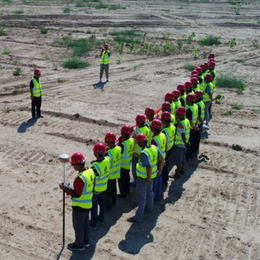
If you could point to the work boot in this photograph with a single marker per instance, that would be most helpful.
(107, 80)
(75, 247)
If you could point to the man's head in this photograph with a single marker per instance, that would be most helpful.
(188, 86)
(181, 88)
(180, 113)
(141, 140)
(126, 131)
(77, 160)
(149, 112)
(166, 106)
(190, 98)
(194, 82)
(99, 150)
(37, 73)
(208, 78)
(211, 65)
(110, 139)
(168, 97)
(140, 120)
(106, 46)
(176, 94)
(166, 118)
(156, 126)
(198, 95)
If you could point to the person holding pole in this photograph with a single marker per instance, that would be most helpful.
(81, 200)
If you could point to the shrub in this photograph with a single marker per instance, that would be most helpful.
(189, 67)
(230, 81)
(75, 63)
(2, 31)
(126, 36)
(80, 4)
(60, 80)
(18, 11)
(116, 7)
(228, 113)
(236, 106)
(43, 30)
(6, 52)
(17, 71)
(66, 10)
(7, 110)
(209, 40)
(101, 6)
(239, 60)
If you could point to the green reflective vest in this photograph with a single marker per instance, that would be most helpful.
(201, 85)
(104, 58)
(150, 137)
(215, 78)
(126, 158)
(115, 157)
(202, 109)
(175, 105)
(183, 97)
(37, 89)
(143, 130)
(152, 154)
(186, 125)
(206, 97)
(160, 141)
(103, 169)
(85, 199)
(195, 113)
(169, 133)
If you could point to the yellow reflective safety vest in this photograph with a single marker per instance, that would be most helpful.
(103, 169)
(143, 130)
(183, 97)
(175, 105)
(37, 89)
(150, 137)
(201, 85)
(115, 157)
(169, 133)
(202, 109)
(160, 141)
(195, 113)
(104, 58)
(206, 97)
(85, 199)
(215, 79)
(152, 153)
(186, 125)
(126, 157)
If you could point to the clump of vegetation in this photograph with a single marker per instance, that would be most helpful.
(66, 10)
(6, 52)
(101, 6)
(236, 106)
(17, 62)
(189, 38)
(219, 98)
(61, 80)
(18, 11)
(7, 110)
(230, 81)
(189, 67)
(228, 113)
(43, 30)
(127, 36)
(239, 60)
(2, 31)
(75, 63)
(17, 71)
(80, 4)
(255, 43)
(195, 53)
(210, 40)
(116, 7)
(232, 42)
(118, 60)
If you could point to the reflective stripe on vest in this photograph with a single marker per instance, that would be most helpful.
(126, 158)
(206, 97)
(169, 133)
(201, 85)
(85, 199)
(144, 130)
(160, 140)
(186, 126)
(195, 113)
(152, 154)
(104, 58)
(103, 169)
(37, 89)
(202, 109)
(115, 157)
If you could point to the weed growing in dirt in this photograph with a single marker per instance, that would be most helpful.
(254, 42)
(218, 98)
(255, 111)
(7, 110)
(189, 38)
(116, 7)
(236, 106)
(195, 53)
(80, 4)
(66, 10)
(17, 71)
(101, 6)
(17, 62)
(165, 10)
(2, 31)
(7, 1)
(239, 60)
(6, 52)
(210, 40)
(18, 11)
(230, 81)
(118, 60)
(1, 67)
(75, 63)
(189, 67)
(127, 36)
(61, 80)
(43, 30)
(228, 113)
(179, 44)
(232, 42)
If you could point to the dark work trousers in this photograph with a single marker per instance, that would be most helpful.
(124, 182)
(36, 102)
(192, 143)
(111, 194)
(80, 221)
(104, 67)
(157, 188)
(98, 199)
(197, 142)
(165, 171)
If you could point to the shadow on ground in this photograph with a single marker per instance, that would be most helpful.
(25, 125)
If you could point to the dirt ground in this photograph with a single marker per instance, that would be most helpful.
(212, 212)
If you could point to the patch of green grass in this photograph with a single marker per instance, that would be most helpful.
(126, 36)
(7, 110)
(255, 111)
(66, 10)
(258, 21)
(230, 81)
(165, 10)
(101, 6)
(43, 30)
(2, 31)
(75, 63)
(210, 40)
(6, 52)
(116, 7)
(61, 80)
(18, 11)
(7, 1)
(80, 4)
(17, 62)
(17, 71)
(236, 106)
(189, 67)
(239, 60)
(228, 113)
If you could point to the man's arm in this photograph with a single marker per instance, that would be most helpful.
(149, 173)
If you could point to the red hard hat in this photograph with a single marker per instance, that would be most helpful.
(149, 111)
(194, 79)
(126, 129)
(166, 115)
(203, 67)
(180, 111)
(106, 46)
(188, 84)
(176, 93)
(110, 137)
(37, 71)
(211, 55)
(140, 138)
(209, 77)
(199, 69)
(169, 96)
(156, 124)
(194, 72)
(77, 158)
(205, 64)
(181, 87)
(140, 118)
(166, 105)
(212, 64)
(99, 148)
(198, 93)
(211, 59)
(190, 97)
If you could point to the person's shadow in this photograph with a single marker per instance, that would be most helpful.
(100, 85)
(25, 125)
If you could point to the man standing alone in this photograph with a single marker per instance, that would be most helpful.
(104, 61)
(36, 93)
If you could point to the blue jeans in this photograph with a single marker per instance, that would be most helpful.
(207, 111)
(157, 187)
(144, 193)
(98, 199)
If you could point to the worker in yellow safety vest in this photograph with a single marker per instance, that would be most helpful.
(36, 94)
(104, 61)
(182, 97)
(238, 7)
(166, 106)
(81, 200)
(176, 102)
(149, 113)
